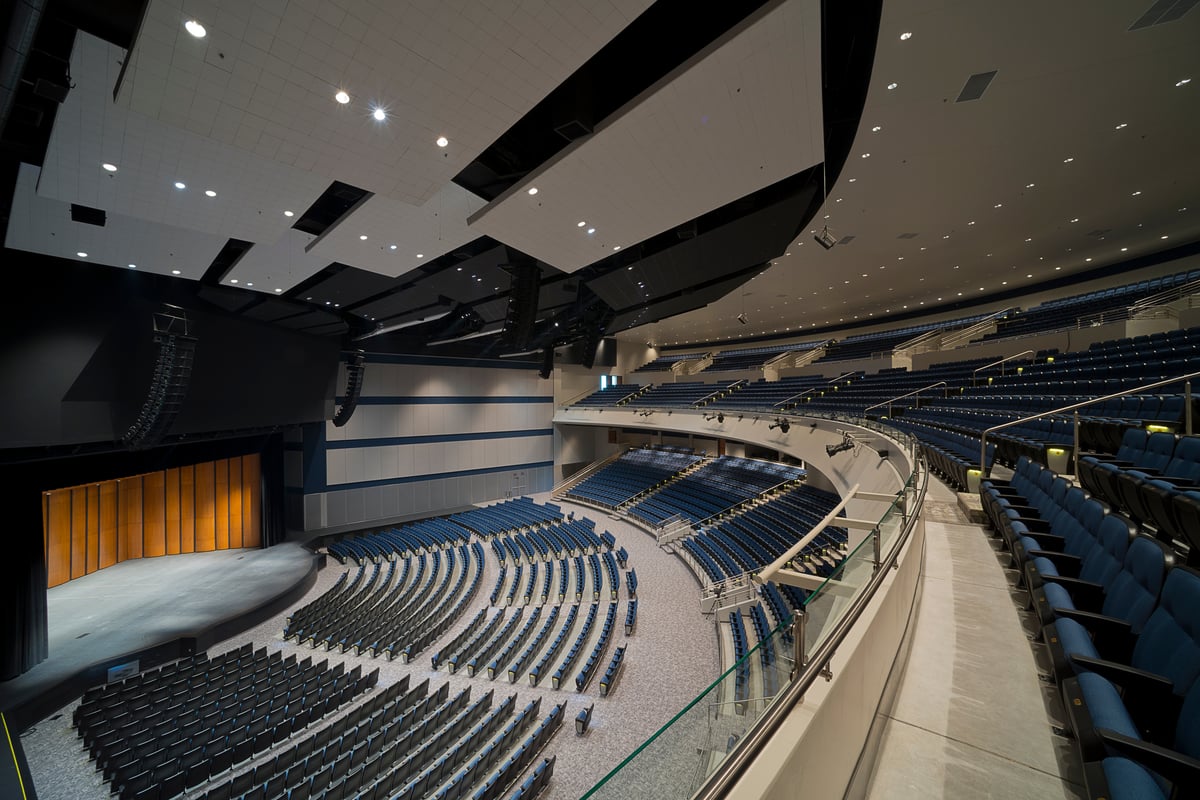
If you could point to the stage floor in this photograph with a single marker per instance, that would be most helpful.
(144, 603)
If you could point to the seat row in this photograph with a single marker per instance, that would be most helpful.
(1117, 614)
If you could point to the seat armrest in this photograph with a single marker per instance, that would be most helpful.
(1087, 596)
(1142, 689)
(1113, 637)
(1179, 769)
(1066, 563)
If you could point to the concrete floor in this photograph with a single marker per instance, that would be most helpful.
(971, 718)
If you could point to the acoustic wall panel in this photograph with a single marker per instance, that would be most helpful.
(154, 514)
(187, 509)
(208, 506)
(173, 511)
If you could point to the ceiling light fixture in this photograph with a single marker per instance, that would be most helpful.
(1122, 125)
(174, 272)
(1183, 82)
(180, 185)
(342, 97)
(442, 141)
(195, 29)
(904, 37)
(420, 255)
(233, 280)
(892, 86)
(249, 283)
(591, 231)
(391, 247)
(876, 129)
(210, 193)
(533, 190)
(866, 155)
(379, 114)
(618, 247)
(1135, 194)
(289, 213)
(1068, 160)
(277, 291)
(580, 224)
(362, 237)
(109, 167)
(133, 266)
(81, 254)
(1030, 185)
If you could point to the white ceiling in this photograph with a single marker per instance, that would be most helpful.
(1068, 74)
(738, 117)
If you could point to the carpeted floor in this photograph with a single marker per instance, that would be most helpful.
(671, 657)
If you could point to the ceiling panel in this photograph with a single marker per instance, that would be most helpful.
(741, 116)
(40, 225)
(408, 300)
(264, 78)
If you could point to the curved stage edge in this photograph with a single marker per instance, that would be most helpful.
(34, 695)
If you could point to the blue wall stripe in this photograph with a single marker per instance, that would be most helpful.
(437, 400)
(436, 476)
(400, 441)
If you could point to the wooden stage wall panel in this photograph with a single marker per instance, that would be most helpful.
(215, 505)
(57, 507)
(187, 509)
(154, 515)
(173, 510)
(206, 520)
(108, 524)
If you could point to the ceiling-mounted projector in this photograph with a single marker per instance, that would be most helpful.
(825, 238)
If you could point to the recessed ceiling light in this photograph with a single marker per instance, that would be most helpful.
(391, 247)
(326, 302)
(972, 222)
(133, 266)
(1029, 239)
(1164, 236)
(533, 190)
(904, 37)
(1076, 219)
(249, 283)
(174, 272)
(1124, 249)
(580, 224)
(195, 29)
(109, 167)
(1135, 194)
(876, 129)
(442, 141)
(420, 255)
(591, 230)
(1030, 185)
(81, 254)
(342, 97)
(277, 291)
(1122, 125)
(1087, 259)
(460, 269)
(1183, 82)
(1058, 269)
(618, 247)
(289, 213)
(233, 280)
(892, 85)
(852, 180)
(866, 155)
(379, 114)
(362, 238)
(1029, 276)
(1068, 160)
(180, 185)
(210, 193)
(998, 205)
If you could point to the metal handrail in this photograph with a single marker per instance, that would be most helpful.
(964, 334)
(1166, 296)
(798, 395)
(1001, 361)
(888, 403)
(1187, 411)
(721, 780)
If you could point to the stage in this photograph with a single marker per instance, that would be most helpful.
(152, 610)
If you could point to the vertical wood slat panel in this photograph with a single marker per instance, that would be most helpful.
(235, 502)
(130, 510)
(154, 518)
(206, 533)
(187, 509)
(108, 524)
(93, 527)
(58, 537)
(171, 495)
(251, 501)
(78, 532)
(221, 503)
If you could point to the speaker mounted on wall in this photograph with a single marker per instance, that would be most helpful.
(176, 350)
(523, 294)
(355, 368)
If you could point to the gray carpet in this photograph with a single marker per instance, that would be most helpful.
(671, 657)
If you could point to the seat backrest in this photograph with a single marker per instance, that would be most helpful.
(1159, 449)
(1133, 444)
(1185, 461)
(1104, 559)
(1133, 593)
(1187, 729)
(1170, 643)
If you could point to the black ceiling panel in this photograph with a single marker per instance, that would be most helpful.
(228, 298)
(272, 309)
(310, 319)
(345, 285)
(492, 310)
(401, 302)
(687, 301)
(474, 279)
